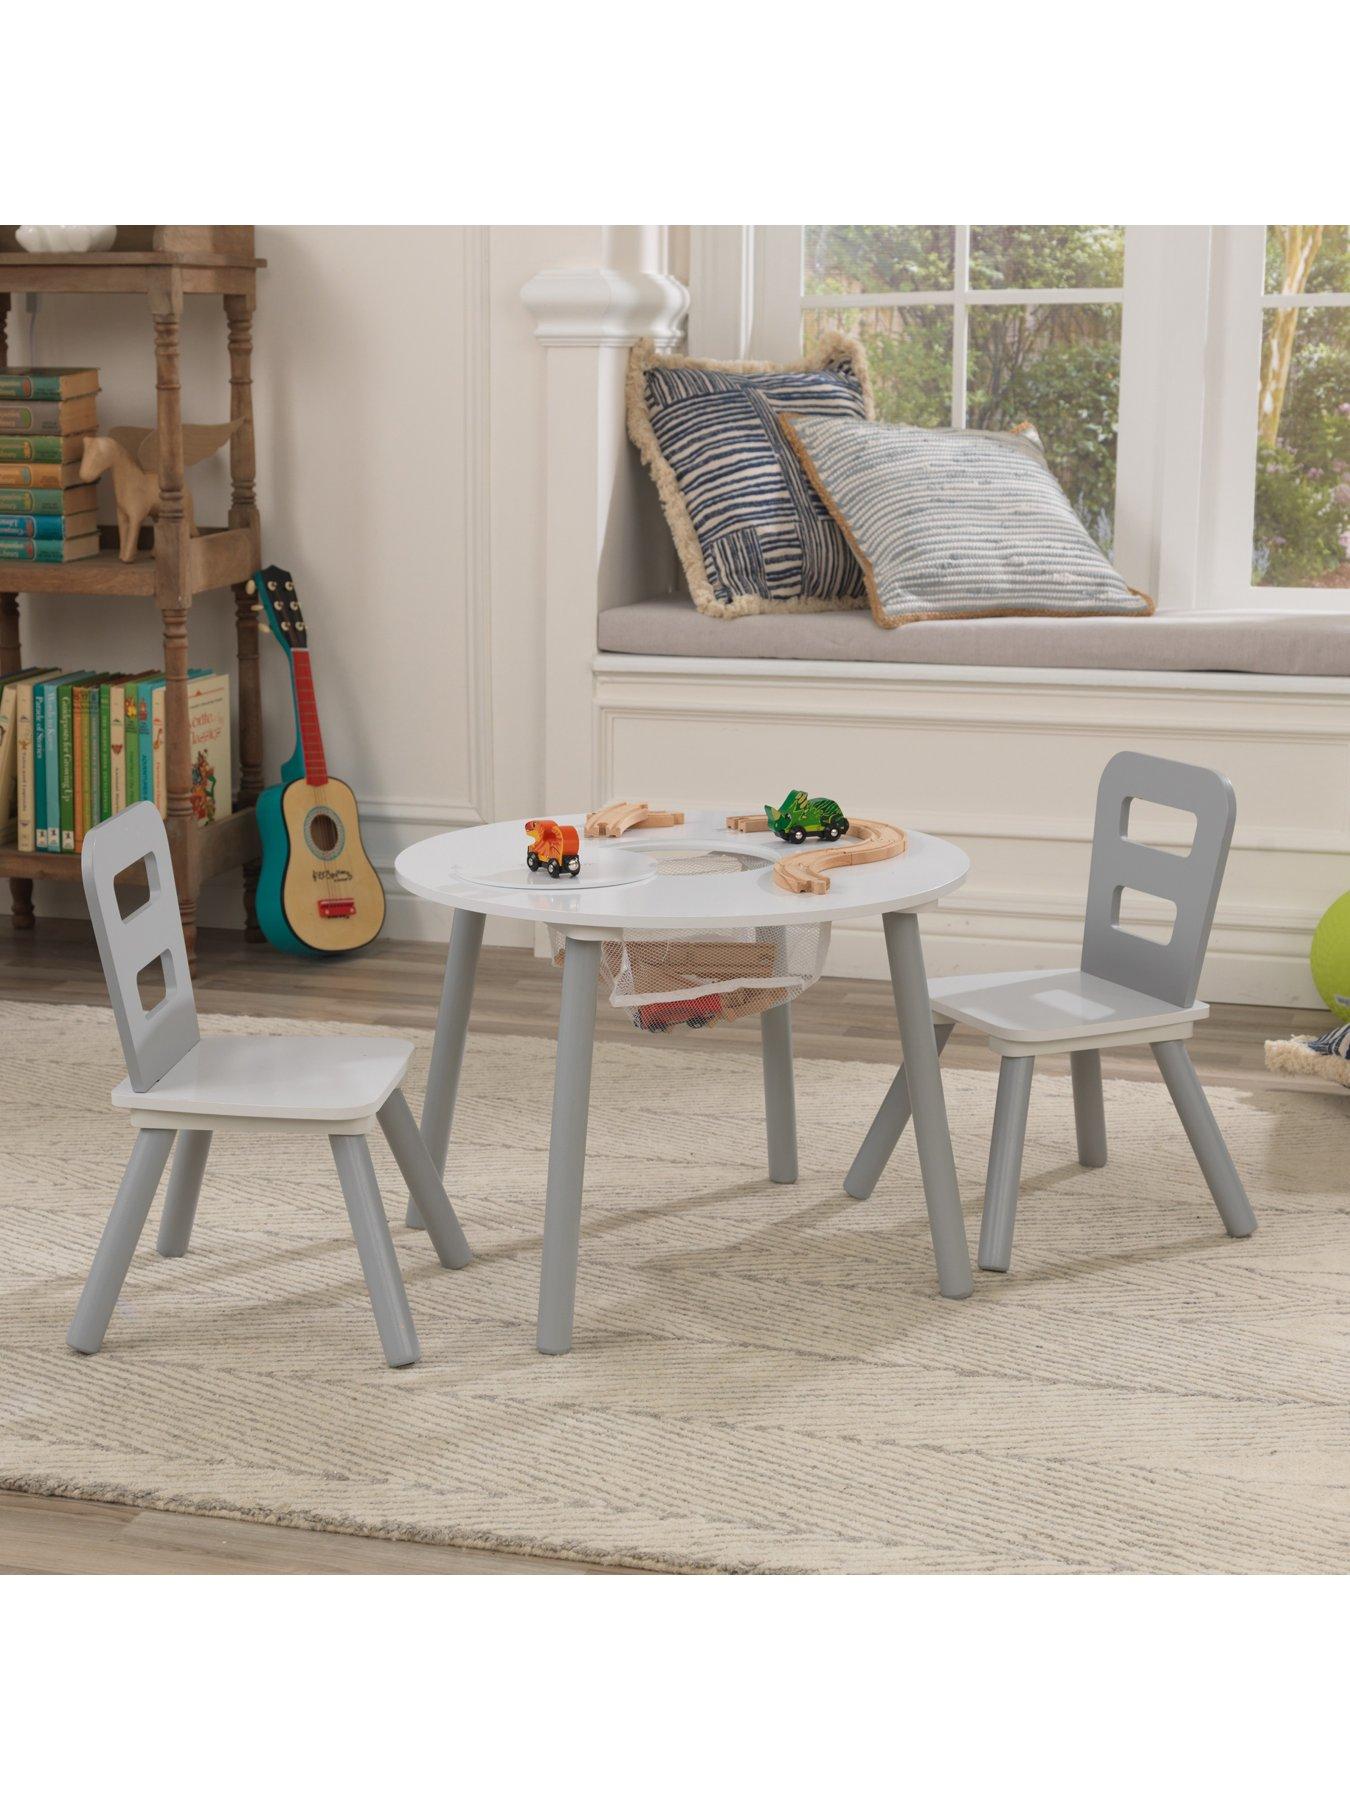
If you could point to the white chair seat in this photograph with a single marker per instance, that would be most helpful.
(334, 1079)
(1047, 1006)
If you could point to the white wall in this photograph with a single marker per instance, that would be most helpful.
(399, 402)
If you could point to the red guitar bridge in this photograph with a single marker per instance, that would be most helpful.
(337, 909)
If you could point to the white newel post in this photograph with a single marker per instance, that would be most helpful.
(605, 542)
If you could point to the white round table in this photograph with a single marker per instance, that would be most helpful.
(463, 870)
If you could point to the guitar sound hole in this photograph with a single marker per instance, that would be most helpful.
(324, 833)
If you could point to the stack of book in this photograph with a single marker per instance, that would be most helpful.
(77, 748)
(46, 512)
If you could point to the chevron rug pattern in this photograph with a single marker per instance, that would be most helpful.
(764, 1378)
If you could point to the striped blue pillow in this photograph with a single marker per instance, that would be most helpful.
(957, 524)
(752, 534)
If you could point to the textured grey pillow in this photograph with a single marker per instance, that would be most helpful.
(956, 524)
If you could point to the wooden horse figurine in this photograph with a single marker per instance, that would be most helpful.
(132, 453)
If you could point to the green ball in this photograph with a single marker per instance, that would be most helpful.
(1330, 957)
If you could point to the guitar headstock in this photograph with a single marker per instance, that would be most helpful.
(276, 599)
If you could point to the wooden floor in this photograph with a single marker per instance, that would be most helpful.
(398, 984)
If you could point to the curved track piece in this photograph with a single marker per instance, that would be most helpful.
(628, 815)
(868, 841)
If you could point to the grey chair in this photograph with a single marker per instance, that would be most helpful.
(1127, 990)
(182, 1086)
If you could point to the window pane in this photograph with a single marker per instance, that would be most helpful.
(1308, 259)
(877, 259)
(1057, 367)
(1302, 526)
(909, 357)
(1047, 256)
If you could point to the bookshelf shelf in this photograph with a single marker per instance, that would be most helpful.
(164, 263)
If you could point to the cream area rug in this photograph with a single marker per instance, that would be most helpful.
(764, 1377)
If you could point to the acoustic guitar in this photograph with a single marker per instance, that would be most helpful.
(317, 893)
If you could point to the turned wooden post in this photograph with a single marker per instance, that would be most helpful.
(11, 661)
(172, 554)
(244, 514)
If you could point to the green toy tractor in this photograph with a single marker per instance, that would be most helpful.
(799, 818)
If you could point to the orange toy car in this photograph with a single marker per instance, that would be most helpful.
(554, 847)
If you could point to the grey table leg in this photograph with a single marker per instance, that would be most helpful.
(424, 1184)
(567, 1146)
(1225, 1184)
(120, 1237)
(447, 1050)
(1085, 1067)
(1005, 1162)
(885, 1131)
(185, 1186)
(780, 1102)
(379, 1264)
(918, 1044)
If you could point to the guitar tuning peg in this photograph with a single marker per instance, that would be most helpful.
(290, 587)
(251, 587)
(271, 587)
(257, 606)
(295, 606)
(285, 624)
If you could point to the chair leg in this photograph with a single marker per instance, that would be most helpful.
(185, 1186)
(1089, 1115)
(375, 1246)
(424, 1184)
(1005, 1162)
(780, 1103)
(885, 1131)
(1225, 1184)
(567, 1147)
(120, 1237)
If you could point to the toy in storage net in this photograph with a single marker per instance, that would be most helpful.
(699, 977)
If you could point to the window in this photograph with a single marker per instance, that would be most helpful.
(986, 326)
(1301, 527)
(1191, 384)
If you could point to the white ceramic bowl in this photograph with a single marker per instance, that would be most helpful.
(65, 240)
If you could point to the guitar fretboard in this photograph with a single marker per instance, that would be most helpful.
(307, 711)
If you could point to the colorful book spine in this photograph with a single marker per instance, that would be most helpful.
(81, 763)
(209, 746)
(29, 503)
(144, 731)
(55, 418)
(39, 765)
(40, 449)
(65, 704)
(52, 755)
(130, 755)
(47, 384)
(8, 713)
(159, 761)
(48, 550)
(23, 739)
(117, 761)
(39, 475)
(91, 760)
(20, 527)
(105, 802)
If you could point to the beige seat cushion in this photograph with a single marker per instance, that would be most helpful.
(1241, 643)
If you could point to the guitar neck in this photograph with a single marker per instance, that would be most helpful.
(307, 716)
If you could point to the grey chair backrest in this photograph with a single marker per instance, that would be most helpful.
(1169, 971)
(152, 1041)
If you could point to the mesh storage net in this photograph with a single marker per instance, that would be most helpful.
(700, 977)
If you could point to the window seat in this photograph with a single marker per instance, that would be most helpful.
(1228, 643)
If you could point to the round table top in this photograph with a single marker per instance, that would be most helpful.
(440, 868)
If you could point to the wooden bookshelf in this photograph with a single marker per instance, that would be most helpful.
(165, 263)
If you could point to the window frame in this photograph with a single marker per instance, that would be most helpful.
(1190, 352)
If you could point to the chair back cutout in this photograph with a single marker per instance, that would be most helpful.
(1169, 971)
(154, 1041)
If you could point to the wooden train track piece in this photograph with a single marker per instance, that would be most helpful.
(868, 841)
(748, 822)
(628, 815)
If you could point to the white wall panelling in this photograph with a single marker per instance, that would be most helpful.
(1006, 762)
